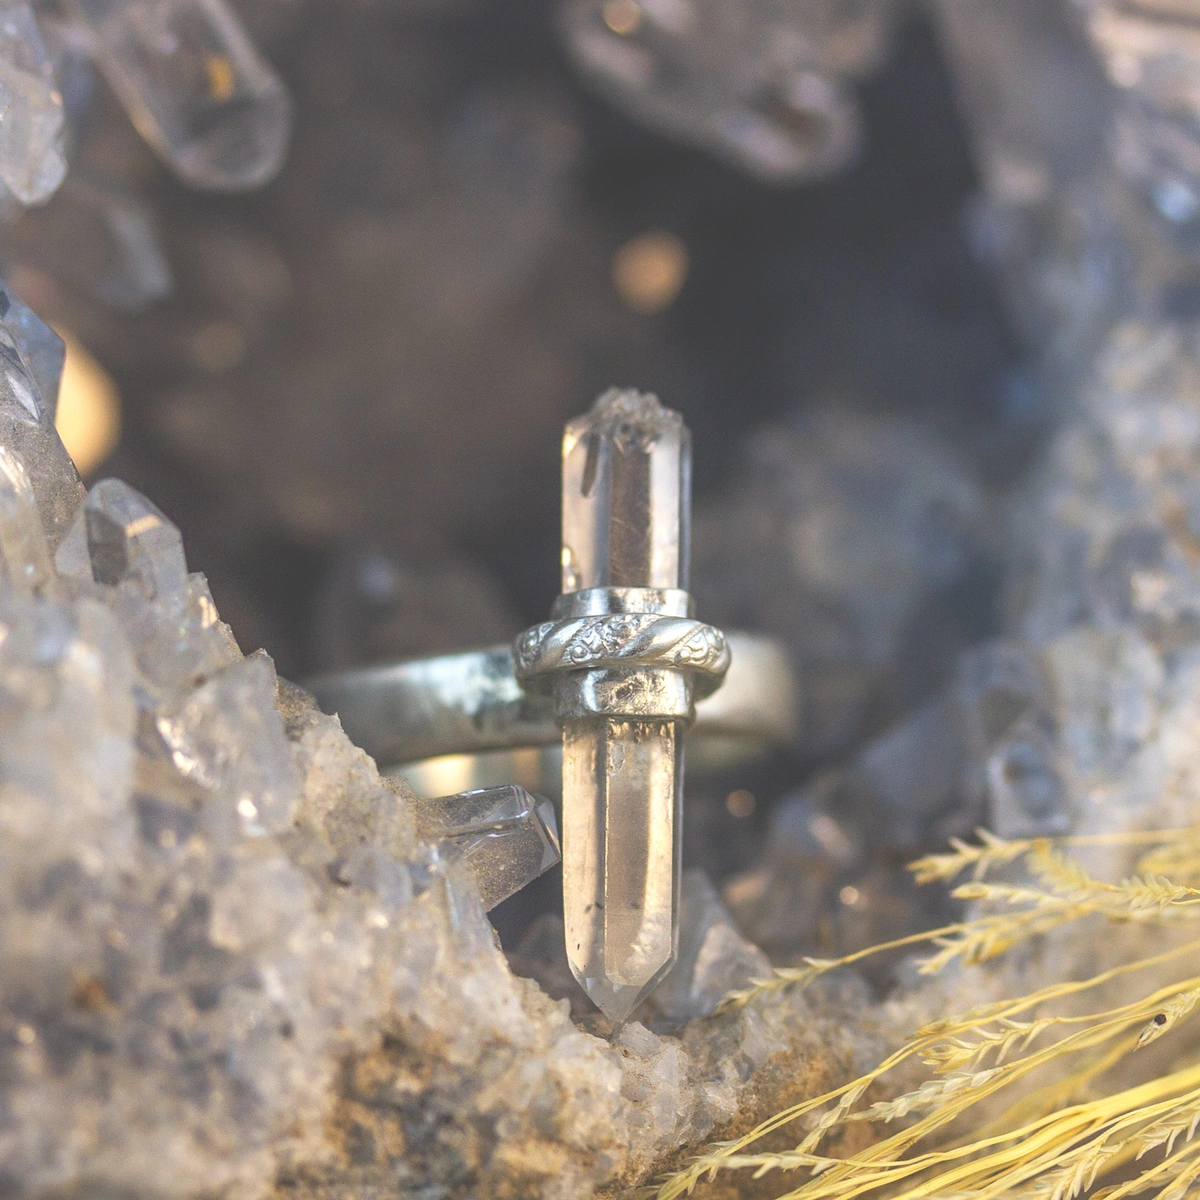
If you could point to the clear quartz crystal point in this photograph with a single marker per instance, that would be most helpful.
(31, 109)
(103, 238)
(626, 495)
(505, 836)
(24, 557)
(626, 505)
(194, 85)
(766, 85)
(41, 349)
(119, 536)
(27, 430)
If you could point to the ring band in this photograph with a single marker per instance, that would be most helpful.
(471, 706)
(623, 641)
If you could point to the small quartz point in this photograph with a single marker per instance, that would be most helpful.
(31, 109)
(102, 237)
(97, 237)
(119, 535)
(41, 349)
(195, 86)
(626, 505)
(24, 557)
(766, 86)
(504, 836)
(27, 429)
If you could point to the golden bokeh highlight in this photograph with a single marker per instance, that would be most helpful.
(740, 804)
(649, 271)
(89, 408)
(221, 78)
(622, 16)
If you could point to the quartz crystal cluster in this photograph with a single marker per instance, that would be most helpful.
(235, 958)
(237, 961)
(766, 85)
(1081, 716)
(1085, 116)
(186, 71)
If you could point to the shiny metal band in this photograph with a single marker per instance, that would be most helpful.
(470, 703)
(625, 640)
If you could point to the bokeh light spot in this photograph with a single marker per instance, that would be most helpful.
(89, 408)
(649, 271)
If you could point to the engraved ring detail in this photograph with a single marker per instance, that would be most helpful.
(625, 640)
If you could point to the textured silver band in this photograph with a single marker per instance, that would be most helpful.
(473, 702)
(625, 640)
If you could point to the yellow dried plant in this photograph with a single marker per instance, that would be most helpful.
(1066, 1126)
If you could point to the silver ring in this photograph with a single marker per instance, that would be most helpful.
(467, 717)
(622, 640)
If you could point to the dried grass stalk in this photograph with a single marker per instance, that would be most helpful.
(1064, 1133)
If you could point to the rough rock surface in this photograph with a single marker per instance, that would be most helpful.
(231, 968)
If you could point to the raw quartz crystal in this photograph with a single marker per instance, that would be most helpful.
(119, 536)
(191, 79)
(27, 355)
(504, 836)
(766, 85)
(194, 85)
(31, 109)
(40, 349)
(97, 237)
(625, 524)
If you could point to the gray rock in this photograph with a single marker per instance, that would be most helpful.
(236, 961)
(714, 959)
(845, 528)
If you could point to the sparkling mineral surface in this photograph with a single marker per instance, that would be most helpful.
(236, 961)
